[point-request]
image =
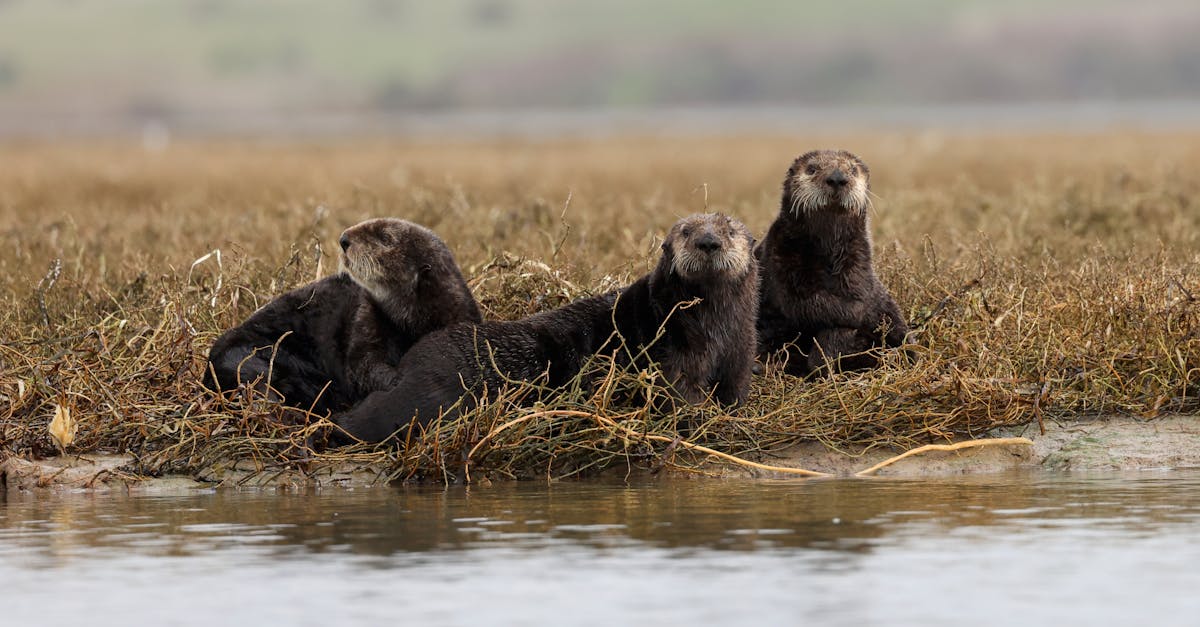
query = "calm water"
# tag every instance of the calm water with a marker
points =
(1032, 549)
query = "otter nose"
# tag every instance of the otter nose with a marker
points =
(708, 243)
(344, 242)
(837, 180)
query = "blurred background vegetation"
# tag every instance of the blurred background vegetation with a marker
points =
(245, 64)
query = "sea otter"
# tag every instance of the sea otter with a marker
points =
(821, 304)
(693, 314)
(327, 344)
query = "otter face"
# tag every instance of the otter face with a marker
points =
(386, 256)
(824, 180)
(708, 245)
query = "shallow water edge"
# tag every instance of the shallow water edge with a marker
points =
(1030, 547)
(1109, 443)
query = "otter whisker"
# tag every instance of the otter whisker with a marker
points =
(795, 202)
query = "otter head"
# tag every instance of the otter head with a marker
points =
(386, 256)
(709, 246)
(827, 180)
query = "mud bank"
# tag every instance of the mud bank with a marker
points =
(1113, 443)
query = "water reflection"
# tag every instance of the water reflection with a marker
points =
(1050, 549)
(849, 516)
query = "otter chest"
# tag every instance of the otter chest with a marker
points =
(808, 272)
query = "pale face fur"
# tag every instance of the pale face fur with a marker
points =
(384, 256)
(711, 244)
(825, 180)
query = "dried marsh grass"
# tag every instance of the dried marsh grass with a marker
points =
(1048, 277)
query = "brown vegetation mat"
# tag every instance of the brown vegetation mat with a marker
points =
(1047, 277)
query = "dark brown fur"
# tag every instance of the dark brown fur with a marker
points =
(705, 349)
(329, 343)
(821, 302)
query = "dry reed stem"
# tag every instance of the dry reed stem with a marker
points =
(944, 447)
(677, 441)
(674, 442)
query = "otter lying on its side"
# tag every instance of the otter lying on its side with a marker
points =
(704, 348)
(329, 343)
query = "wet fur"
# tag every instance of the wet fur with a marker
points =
(328, 344)
(821, 304)
(705, 348)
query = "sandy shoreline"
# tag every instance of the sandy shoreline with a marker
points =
(1112, 443)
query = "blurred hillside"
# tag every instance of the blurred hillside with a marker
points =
(131, 61)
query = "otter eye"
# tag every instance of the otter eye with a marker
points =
(686, 231)
(810, 170)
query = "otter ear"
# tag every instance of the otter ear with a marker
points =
(422, 275)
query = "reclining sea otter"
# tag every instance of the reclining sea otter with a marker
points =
(328, 344)
(705, 348)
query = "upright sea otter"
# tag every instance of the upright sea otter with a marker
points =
(820, 298)
(329, 343)
(702, 298)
